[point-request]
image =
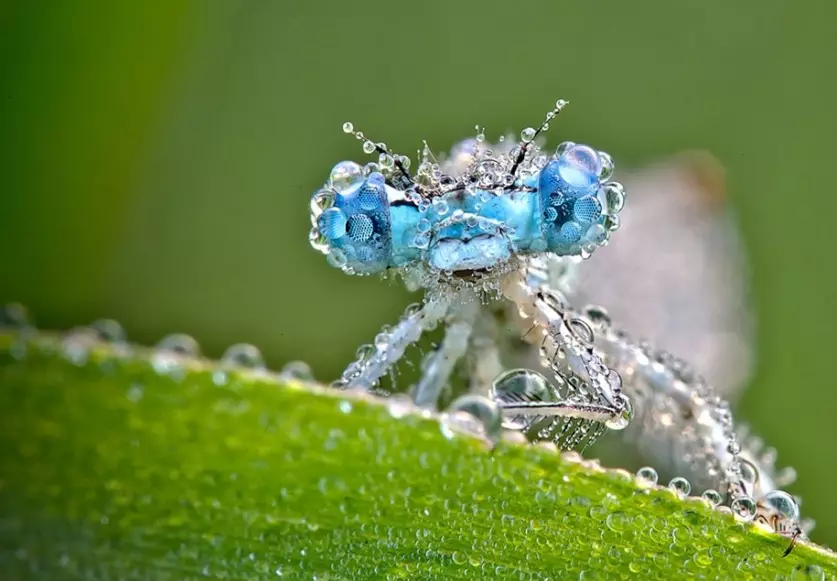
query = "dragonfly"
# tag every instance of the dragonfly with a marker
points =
(498, 237)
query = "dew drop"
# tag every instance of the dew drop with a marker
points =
(476, 414)
(781, 505)
(368, 147)
(749, 474)
(243, 355)
(14, 316)
(680, 485)
(580, 166)
(337, 258)
(607, 166)
(623, 419)
(617, 521)
(614, 197)
(348, 127)
(399, 405)
(743, 507)
(297, 370)
(440, 206)
(598, 315)
(648, 474)
(712, 496)
(345, 174)
(181, 344)
(518, 385)
(109, 330)
(170, 352)
(527, 134)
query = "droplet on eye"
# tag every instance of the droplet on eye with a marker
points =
(345, 174)
(332, 223)
(579, 166)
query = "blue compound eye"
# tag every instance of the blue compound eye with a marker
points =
(571, 192)
(352, 221)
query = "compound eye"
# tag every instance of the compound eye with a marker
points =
(351, 220)
(578, 213)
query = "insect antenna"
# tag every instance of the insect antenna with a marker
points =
(370, 146)
(529, 135)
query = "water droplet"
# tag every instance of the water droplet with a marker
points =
(527, 134)
(648, 474)
(297, 370)
(399, 405)
(322, 201)
(170, 352)
(348, 127)
(607, 166)
(181, 344)
(623, 419)
(368, 147)
(680, 485)
(476, 414)
(749, 474)
(345, 406)
(813, 572)
(135, 392)
(440, 206)
(345, 174)
(337, 258)
(14, 316)
(109, 330)
(617, 521)
(743, 507)
(712, 496)
(579, 166)
(782, 507)
(243, 355)
(421, 241)
(598, 316)
(520, 385)
(614, 197)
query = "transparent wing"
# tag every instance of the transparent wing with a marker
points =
(676, 272)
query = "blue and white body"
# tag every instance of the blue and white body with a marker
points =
(499, 206)
(473, 230)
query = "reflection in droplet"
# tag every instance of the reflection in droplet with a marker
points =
(475, 414)
(680, 485)
(520, 386)
(648, 474)
(297, 370)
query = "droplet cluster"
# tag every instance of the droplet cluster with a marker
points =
(478, 210)
(284, 483)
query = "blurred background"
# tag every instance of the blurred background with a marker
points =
(157, 158)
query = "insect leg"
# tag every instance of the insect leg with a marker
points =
(485, 362)
(584, 395)
(375, 360)
(439, 365)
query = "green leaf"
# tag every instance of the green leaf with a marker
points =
(111, 470)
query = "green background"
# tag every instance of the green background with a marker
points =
(157, 159)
